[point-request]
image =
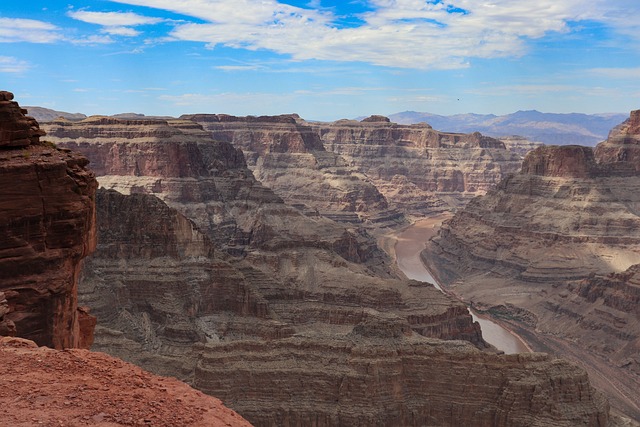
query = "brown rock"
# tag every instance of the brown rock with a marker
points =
(418, 169)
(571, 161)
(620, 153)
(16, 129)
(397, 380)
(287, 155)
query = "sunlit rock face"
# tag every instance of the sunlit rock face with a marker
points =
(417, 168)
(286, 154)
(204, 274)
(47, 225)
(554, 249)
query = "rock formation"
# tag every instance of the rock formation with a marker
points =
(396, 380)
(47, 225)
(419, 169)
(553, 250)
(221, 276)
(287, 155)
(41, 386)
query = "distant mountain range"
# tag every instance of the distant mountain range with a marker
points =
(550, 128)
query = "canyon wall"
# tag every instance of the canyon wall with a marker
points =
(286, 155)
(418, 169)
(47, 225)
(200, 271)
(553, 250)
(399, 380)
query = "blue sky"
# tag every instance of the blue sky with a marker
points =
(324, 60)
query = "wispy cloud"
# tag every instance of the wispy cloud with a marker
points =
(28, 30)
(113, 19)
(115, 23)
(9, 64)
(616, 73)
(443, 34)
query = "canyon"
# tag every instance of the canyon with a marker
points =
(204, 273)
(553, 252)
(48, 223)
(371, 171)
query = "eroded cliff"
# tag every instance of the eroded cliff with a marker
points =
(417, 168)
(47, 225)
(284, 306)
(287, 155)
(535, 251)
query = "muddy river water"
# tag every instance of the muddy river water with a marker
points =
(410, 242)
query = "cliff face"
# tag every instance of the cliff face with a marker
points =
(47, 225)
(535, 252)
(405, 381)
(417, 168)
(621, 151)
(310, 306)
(287, 155)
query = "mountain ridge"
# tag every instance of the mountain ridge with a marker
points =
(549, 128)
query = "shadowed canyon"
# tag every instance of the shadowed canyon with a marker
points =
(257, 260)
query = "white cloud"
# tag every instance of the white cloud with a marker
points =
(121, 31)
(28, 30)
(113, 19)
(396, 33)
(9, 64)
(115, 23)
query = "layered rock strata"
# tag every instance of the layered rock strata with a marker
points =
(536, 250)
(172, 293)
(47, 225)
(417, 168)
(287, 155)
(404, 380)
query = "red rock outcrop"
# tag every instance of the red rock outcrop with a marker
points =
(47, 225)
(41, 386)
(16, 129)
(417, 168)
(534, 252)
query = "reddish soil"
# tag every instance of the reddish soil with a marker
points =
(44, 387)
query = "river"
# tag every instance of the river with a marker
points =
(409, 244)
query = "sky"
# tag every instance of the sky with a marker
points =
(322, 59)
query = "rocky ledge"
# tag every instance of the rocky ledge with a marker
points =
(41, 386)
(47, 225)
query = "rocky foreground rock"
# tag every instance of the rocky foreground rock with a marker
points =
(554, 250)
(42, 386)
